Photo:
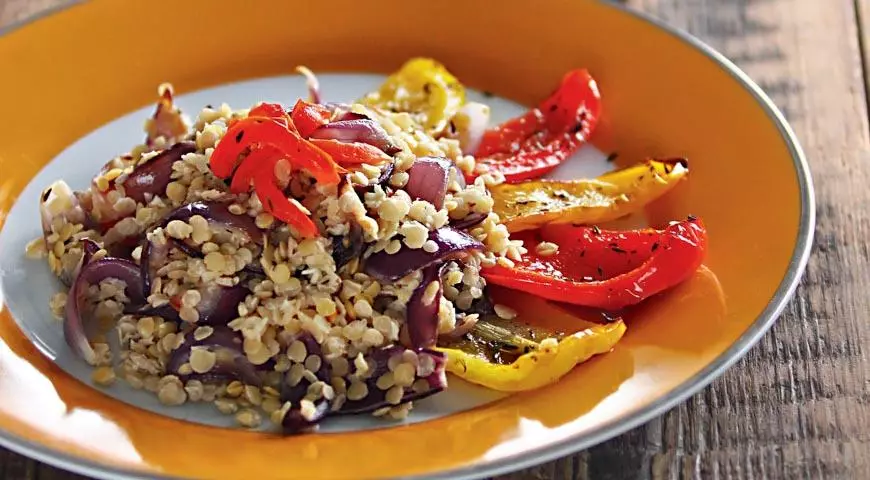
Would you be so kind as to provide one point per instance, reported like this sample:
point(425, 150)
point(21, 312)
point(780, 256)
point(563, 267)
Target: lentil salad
point(334, 259)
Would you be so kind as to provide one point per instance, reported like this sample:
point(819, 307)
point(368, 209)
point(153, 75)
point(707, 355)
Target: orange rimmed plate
point(79, 70)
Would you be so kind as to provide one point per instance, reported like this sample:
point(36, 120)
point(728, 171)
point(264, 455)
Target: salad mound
point(297, 262)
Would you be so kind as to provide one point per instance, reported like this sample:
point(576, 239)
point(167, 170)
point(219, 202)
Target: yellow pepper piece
point(528, 205)
point(425, 89)
point(535, 369)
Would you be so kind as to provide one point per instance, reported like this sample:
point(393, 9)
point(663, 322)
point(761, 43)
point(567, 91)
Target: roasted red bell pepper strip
point(319, 164)
point(259, 159)
point(259, 168)
point(245, 133)
point(255, 132)
point(349, 154)
point(272, 111)
point(276, 202)
point(309, 116)
point(604, 269)
point(531, 145)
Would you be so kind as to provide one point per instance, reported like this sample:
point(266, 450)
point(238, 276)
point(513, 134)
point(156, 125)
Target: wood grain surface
point(798, 405)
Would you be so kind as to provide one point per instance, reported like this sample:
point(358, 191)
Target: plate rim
point(574, 443)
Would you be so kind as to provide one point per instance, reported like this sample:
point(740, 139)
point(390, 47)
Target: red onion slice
point(359, 130)
point(385, 175)
point(232, 363)
point(459, 176)
point(153, 176)
point(346, 248)
point(427, 180)
point(167, 122)
point(152, 257)
point(74, 324)
point(421, 315)
point(341, 111)
point(219, 305)
point(166, 312)
point(337, 107)
point(89, 249)
point(471, 220)
point(382, 180)
point(312, 83)
point(295, 420)
point(431, 368)
point(59, 200)
point(389, 268)
point(435, 380)
point(351, 116)
point(124, 247)
point(218, 214)
point(186, 249)
point(295, 393)
point(254, 269)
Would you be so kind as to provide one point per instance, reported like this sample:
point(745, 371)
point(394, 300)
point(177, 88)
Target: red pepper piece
point(175, 302)
point(259, 168)
point(247, 132)
point(529, 146)
point(273, 111)
point(259, 159)
point(255, 133)
point(605, 269)
point(276, 202)
point(351, 153)
point(320, 164)
point(309, 116)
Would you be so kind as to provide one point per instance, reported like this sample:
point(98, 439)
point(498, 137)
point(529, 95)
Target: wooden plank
point(863, 14)
point(796, 406)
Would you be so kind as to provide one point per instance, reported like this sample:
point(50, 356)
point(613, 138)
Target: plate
point(78, 99)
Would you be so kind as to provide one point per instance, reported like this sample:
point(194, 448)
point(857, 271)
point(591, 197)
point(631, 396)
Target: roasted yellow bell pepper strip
point(528, 205)
point(538, 368)
point(425, 89)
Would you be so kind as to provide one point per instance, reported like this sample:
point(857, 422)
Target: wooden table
point(798, 405)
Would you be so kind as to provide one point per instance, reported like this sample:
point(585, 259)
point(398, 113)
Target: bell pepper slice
point(309, 116)
point(531, 204)
point(531, 145)
point(276, 202)
point(604, 269)
point(319, 164)
point(259, 159)
point(255, 132)
point(425, 89)
point(246, 133)
point(272, 111)
point(537, 368)
point(349, 154)
point(259, 168)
